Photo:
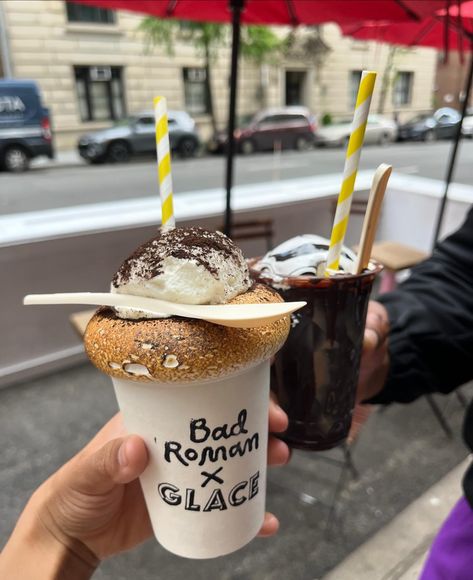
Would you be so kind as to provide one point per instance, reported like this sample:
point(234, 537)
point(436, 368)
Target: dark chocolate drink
point(315, 374)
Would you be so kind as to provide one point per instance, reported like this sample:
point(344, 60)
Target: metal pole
point(4, 46)
point(454, 150)
point(236, 6)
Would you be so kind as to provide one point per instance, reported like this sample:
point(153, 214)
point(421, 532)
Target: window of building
point(100, 92)
point(195, 90)
point(402, 89)
point(354, 83)
point(90, 14)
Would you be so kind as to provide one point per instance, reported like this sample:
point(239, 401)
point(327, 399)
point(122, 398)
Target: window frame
point(205, 110)
point(399, 99)
point(82, 73)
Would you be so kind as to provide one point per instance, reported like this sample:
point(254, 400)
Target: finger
point(371, 340)
point(278, 420)
point(377, 323)
point(118, 462)
point(378, 308)
point(378, 318)
point(270, 526)
point(278, 452)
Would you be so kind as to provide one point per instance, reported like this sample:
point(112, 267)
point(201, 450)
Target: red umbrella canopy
point(290, 12)
point(453, 31)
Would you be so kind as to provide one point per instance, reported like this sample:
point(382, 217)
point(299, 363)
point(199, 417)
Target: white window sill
point(89, 28)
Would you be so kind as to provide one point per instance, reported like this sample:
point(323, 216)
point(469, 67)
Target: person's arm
point(430, 340)
point(33, 552)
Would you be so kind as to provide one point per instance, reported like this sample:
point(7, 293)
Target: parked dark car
point(136, 135)
point(429, 127)
point(25, 126)
point(287, 128)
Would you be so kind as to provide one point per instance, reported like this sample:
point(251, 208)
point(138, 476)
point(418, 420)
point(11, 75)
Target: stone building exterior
point(93, 67)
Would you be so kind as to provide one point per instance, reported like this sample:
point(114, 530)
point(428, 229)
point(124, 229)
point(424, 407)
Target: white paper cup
point(205, 484)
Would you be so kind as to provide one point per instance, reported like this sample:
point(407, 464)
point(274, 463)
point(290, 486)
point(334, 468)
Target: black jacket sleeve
point(431, 317)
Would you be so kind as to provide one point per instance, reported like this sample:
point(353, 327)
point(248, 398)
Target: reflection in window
point(118, 101)
point(80, 13)
point(195, 90)
point(99, 92)
point(402, 90)
point(355, 78)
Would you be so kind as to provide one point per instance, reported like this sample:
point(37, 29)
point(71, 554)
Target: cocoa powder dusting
point(193, 244)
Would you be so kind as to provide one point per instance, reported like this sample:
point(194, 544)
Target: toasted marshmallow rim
point(180, 351)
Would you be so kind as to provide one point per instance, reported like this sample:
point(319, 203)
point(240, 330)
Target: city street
point(51, 187)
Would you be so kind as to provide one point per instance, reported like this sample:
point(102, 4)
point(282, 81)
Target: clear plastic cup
point(315, 374)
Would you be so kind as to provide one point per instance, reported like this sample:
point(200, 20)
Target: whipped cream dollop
point(183, 265)
point(304, 255)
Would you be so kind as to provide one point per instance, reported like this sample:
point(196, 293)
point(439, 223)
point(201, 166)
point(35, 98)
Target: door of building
point(295, 87)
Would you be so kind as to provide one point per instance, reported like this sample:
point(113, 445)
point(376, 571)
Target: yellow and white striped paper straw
point(163, 153)
point(352, 160)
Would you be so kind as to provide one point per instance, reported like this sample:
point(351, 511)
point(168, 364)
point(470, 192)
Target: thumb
point(118, 462)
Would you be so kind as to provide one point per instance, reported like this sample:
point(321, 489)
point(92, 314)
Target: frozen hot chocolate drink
point(196, 392)
point(316, 372)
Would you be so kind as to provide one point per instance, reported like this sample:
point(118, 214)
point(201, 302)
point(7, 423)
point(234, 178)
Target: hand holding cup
point(93, 506)
point(375, 356)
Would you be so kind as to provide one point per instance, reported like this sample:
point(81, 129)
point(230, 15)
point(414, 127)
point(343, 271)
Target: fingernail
point(122, 456)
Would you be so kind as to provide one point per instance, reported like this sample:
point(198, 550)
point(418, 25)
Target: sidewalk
point(398, 551)
point(62, 159)
point(45, 421)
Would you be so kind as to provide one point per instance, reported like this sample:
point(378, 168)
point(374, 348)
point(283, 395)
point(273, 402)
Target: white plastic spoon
point(235, 315)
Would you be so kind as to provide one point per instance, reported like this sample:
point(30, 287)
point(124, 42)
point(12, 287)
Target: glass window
point(284, 118)
point(402, 90)
point(145, 120)
point(297, 119)
point(81, 13)
point(355, 78)
point(269, 120)
point(99, 92)
point(195, 90)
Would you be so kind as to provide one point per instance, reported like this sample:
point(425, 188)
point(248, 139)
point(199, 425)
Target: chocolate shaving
point(193, 244)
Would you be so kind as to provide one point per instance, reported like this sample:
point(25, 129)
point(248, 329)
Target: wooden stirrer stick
point(370, 223)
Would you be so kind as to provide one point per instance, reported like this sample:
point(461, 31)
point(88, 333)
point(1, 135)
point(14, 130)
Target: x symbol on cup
point(212, 477)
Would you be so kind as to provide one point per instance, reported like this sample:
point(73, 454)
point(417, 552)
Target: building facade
point(93, 67)
point(451, 79)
